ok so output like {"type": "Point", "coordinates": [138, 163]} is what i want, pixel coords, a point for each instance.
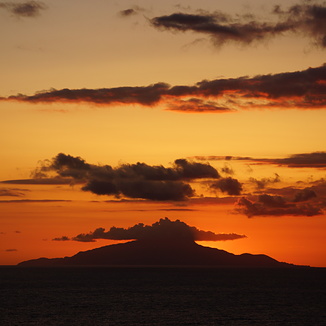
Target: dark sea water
{"type": "Point", "coordinates": [162, 296]}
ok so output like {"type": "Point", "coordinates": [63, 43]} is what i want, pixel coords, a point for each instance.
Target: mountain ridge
{"type": "Point", "coordinates": [158, 253]}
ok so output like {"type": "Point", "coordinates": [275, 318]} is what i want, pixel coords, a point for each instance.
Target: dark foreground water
{"type": "Point", "coordinates": [162, 296]}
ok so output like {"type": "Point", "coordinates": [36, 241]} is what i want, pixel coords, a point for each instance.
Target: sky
{"type": "Point", "coordinates": [115, 113]}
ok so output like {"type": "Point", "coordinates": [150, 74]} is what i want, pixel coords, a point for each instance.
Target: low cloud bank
{"type": "Point", "coordinates": [304, 89]}
{"type": "Point", "coordinates": [163, 230]}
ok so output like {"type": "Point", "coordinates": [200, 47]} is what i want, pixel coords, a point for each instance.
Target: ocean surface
{"type": "Point", "coordinates": [161, 296]}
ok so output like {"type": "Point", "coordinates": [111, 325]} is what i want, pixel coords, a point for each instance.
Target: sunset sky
{"type": "Point", "coordinates": [115, 113]}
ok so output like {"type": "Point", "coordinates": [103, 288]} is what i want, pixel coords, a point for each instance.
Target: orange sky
{"type": "Point", "coordinates": [245, 93]}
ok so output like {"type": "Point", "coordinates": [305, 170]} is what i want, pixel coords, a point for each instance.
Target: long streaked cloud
{"type": "Point", "coordinates": [39, 181]}
{"type": "Point", "coordinates": [23, 9]}
{"type": "Point", "coordinates": [307, 20]}
{"type": "Point", "coordinates": [138, 180]}
{"type": "Point", "coordinates": [12, 192]}
{"type": "Point", "coordinates": [304, 89]}
{"type": "Point", "coordinates": [163, 230]}
{"type": "Point", "coordinates": [301, 160]}
{"type": "Point", "coordinates": [305, 160]}
{"type": "Point", "coordinates": [34, 201]}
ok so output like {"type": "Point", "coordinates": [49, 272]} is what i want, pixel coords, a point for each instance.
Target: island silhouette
{"type": "Point", "coordinates": [165, 243]}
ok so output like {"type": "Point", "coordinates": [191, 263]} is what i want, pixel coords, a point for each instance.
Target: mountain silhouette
{"type": "Point", "coordinates": [150, 252]}
{"type": "Point", "coordinates": [164, 243]}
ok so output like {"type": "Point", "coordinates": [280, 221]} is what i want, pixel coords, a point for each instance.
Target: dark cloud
{"type": "Point", "coordinates": [40, 181]}
{"type": "Point", "coordinates": [138, 180]}
{"type": "Point", "coordinates": [229, 185]}
{"type": "Point", "coordinates": [314, 160]}
{"type": "Point", "coordinates": [11, 192]}
{"type": "Point", "coordinates": [131, 11]}
{"type": "Point", "coordinates": [319, 187]}
{"type": "Point", "coordinates": [145, 189]}
{"type": "Point", "coordinates": [163, 230]}
{"type": "Point", "coordinates": [227, 170]}
{"type": "Point", "coordinates": [304, 195]}
{"type": "Point", "coordinates": [220, 27]}
{"type": "Point", "coordinates": [24, 9]}
{"type": "Point", "coordinates": [221, 158]}
{"type": "Point", "coordinates": [262, 183]}
{"type": "Point", "coordinates": [63, 238]}
{"type": "Point", "coordinates": [34, 201]}
{"type": "Point", "coordinates": [270, 205]}
{"type": "Point", "coordinates": [304, 160]}
{"type": "Point", "coordinates": [193, 170]}
{"type": "Point", "coordinates": [301, 89]}
{"type": "Point", "coordinates": [146, 95]}
{"type": "Point", "coordinates": [128, 12]}
{"type": "Point", "coordinates": [308, 20]}
{"type": "Point", "coordinates": [271, 201]}
{"type": "Point", "coordinates": [11, 250]}
{"type": "Point", "coordinates": [196, 105]}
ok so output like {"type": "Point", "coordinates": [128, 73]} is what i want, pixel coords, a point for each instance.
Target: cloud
{"type": "Point", "coordinates": [307, 20]}
{"type": "Point", "coordinates": [196, 105]}
{"type": "Point", "coordinates": [145, 189]}
{"type": "Point", "coordinates": [11, 192]}
{"type": "Point", "coordinates": [10, 250]}
{"type": "Point", "coordinates": [138, 180]}
{"type": "Point", "coordinates": [40, 181]}
{"type": "Point", "coordinates": [220, 27]}
{"type": "Point", "coordinates": [229, 185]}
{"type": "Point", "coordinates": [311, 160]}
{"type": "Point", "coordinates": [304, 89]}
{"type": "Point", "coordinates": [63, 238]}
{"type": "Point", "coordinates": [24, 9]}
{"type": "Point", "coordinates": [304, 195]}
{"type": "Point", "coordinates": [270, 205]}
{"type": "Point", "coordinates": [227, 169]}
{"type": "Point", "coordinates": [34, 201]}
{"type": "Point", "coordinates": [193, 170]}
{"type": "Point", "coordinates": [131, 11]}
{"type": "Point", "coordinates": [262, 183]}
{"type": "Point", "coordinates": [163, 230]}
{"type": "Point", "coordinates": [304, 160]}
{"type": "Point", "coordinates": [127, 12]}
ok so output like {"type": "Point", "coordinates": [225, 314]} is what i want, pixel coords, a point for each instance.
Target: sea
{"type": "Point", "coordinates": [162, 296]}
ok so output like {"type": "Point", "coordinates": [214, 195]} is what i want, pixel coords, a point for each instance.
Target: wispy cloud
{"type": "Point", "coordinates": [304, 89]}
{"type": "Point", "coordinates": [23, 9]}
{"type": "Point", "coordinates": [262, 183]}
{"type": "Point", "coordinates": [307, 20]}
{"type": "Point", "coordinates": [133, 11]}
{"type": "Point", "coordinates": [39, 181]}
{"type": "Point", "coordinates": [301, 160]}
{"type": "Point", "coordinates": [11, 192]}
{"type": "Point", "coordinates": [34, 201]}
{"type": "Point", "coordinates": [128, 12]}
